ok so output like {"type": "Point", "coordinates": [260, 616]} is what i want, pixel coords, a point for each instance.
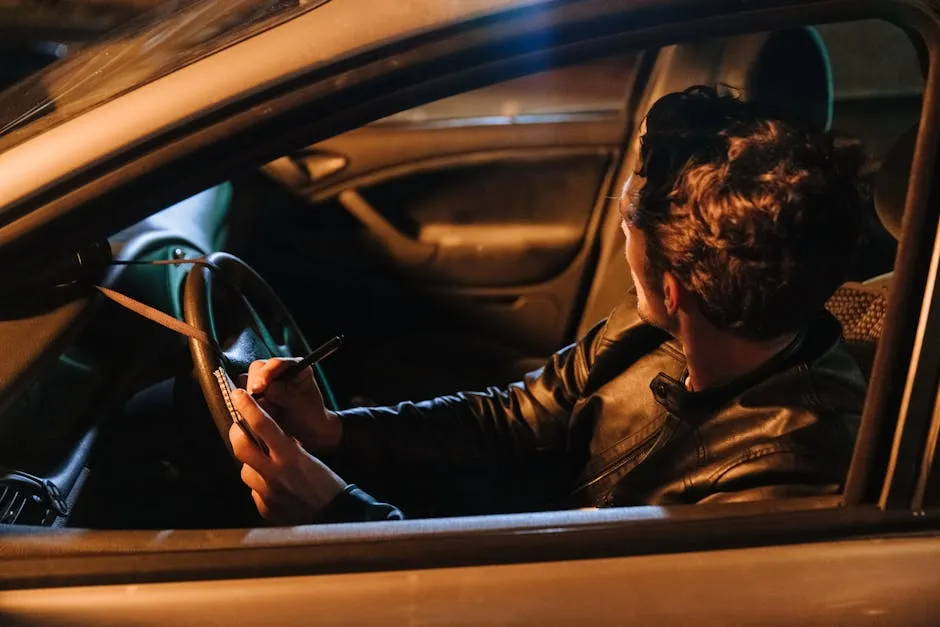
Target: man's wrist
{"type": "Point", "coordinates": [330, 435]}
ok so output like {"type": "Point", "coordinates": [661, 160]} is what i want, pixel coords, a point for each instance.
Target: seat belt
{"type": "Point", "coordinates": [155, 315]}
{"type": "Point", "coordinates": [225, 383]}
{"type": "Point", "coordinates": [152, 313]}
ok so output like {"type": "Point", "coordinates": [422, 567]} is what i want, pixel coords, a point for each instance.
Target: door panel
{"type": "Point", "coordinates": [507, 222]}
{"type": "Point", "coordinates": [372, 154]}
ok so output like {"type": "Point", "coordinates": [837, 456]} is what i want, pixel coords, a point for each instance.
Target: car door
{"type": "Point", "coordinates": [846, 560]}
{"type": "Point", "coordinates": [466, 229]}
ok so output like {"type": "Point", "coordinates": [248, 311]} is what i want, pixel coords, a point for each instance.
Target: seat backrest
{"type": "Point", "coordinates": [861, 307]}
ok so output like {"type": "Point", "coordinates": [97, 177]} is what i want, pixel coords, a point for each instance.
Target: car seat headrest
{"type": "Point", "coordinates": [891, 182]}
{"type": "Point", "coordinates": [792, 74]}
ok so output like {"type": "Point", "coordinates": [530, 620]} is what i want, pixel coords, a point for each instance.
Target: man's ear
{"type": "Point", "coordinates": [674, 294]}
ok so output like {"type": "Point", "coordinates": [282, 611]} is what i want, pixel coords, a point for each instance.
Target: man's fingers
{"type": "Point", "coordinates": [268, 407]}
{"type": "Point", "coordinates": [266, 511]}
{"type": "Point", "coordinates": [260, 504]}
{"type": "Point", "coordinates": [260, 423]}
{"type": "Point", "coordinates": [290, 396]}
{"type": "Point", "coordinates": [263, 371]}
{"type": "Point", "coordinates": [271, 511]}
{"type": "Point", "coordinates": [246, 451]}
{"type": "Point", "coordinates": [254, 375]}
{"type": "Point", "coordinates": [256, 482]}
{"type": "Point", "coordinates": [253, 479]}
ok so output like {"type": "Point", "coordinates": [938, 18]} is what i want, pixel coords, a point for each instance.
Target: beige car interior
{"type": "Point", "coordinates": [790, 69]}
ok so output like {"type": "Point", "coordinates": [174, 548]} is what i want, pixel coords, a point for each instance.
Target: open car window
{"type": "Point", "coordinates": [524, 305]}
{"type": "Point", "coordinates": [419, 201]}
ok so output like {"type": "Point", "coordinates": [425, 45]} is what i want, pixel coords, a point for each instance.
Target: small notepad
{"type": "Point", "coordinates": [226, 385]}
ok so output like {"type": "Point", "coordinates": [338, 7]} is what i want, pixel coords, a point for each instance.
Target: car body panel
{"type": "Point", "coordinates": [874, 582]}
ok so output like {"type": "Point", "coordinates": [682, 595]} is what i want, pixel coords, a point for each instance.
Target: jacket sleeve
{"type": "Point", "coordinates": [354, 505]}
{"type": "Point", "coordinates": [499, 428]}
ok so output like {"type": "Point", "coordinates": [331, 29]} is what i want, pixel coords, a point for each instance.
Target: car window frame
{"type": "Point", "coordinates": [908, 382]}
{"type": "Point", "coordinates": [99, 556]}
{"type": "Point", "coordinates": [917, 441]}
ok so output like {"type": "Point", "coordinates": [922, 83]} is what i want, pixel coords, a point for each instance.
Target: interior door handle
{"type": "Point", "coordinates": [398, 245]}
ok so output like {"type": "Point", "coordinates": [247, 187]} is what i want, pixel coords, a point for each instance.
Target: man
{"type": "Point", "coordinates": [725, 380]}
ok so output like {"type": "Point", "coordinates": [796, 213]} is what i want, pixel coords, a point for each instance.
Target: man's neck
{"type": "Point", "coordinates": [715, 358]}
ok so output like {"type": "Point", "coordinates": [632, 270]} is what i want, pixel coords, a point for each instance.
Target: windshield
{"type": "Point", "coordinates": [173, 35]}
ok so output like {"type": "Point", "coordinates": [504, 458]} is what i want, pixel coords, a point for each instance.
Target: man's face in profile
{"type": "Point", "coordinates": [650, 299]}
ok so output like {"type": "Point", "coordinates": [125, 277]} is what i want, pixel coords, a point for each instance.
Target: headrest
{"type": "Point", "coordinates": [791, 73]}
{"type": "Point", "coordinates": [891, 182]}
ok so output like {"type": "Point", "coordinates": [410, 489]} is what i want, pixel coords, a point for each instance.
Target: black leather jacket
{"type": "Point", "coordinates": [606, 422]}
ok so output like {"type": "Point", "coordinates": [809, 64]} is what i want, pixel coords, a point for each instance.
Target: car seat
{"type": "Point", "coordinates": [861, 306]}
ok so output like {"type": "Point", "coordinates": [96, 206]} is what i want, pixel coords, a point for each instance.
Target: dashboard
{"type": "Point", "coordinates": [66, 370]}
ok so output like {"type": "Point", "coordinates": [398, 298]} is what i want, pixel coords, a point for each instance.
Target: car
{"type": "Point", "coordinates": [438, 182]}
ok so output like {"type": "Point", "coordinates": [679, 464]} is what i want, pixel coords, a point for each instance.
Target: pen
{"type": "Point", "coordinates": [316, 355]}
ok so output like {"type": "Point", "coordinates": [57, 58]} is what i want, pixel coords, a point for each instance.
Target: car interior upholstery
{"type": "Point", "coordinates": [861, 307]}
{"type": "Point", "coordinates": [792, 72]}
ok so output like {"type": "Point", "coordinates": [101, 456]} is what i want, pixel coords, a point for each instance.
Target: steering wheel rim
{"type": "Point", "coordinates": [255, 303]}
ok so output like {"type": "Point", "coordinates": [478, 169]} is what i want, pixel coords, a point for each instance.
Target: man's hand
{"type": "Point", "coordinates": [297, 404]}
{"type": "Point", "coordinates": [289, 486]}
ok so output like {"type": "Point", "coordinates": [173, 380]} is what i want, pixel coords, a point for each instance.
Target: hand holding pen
{"type": "Point", "coordinates": [289, 387]}
{"type": "Point", "coordinates": [295, 368]}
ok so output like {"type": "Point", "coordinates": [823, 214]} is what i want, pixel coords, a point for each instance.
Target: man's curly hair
{"type": "Point", "coordinates": [757, 217]}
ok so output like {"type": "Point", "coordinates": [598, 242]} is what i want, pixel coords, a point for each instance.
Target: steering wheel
{"type": "Point", "coordinates": [244, 317]}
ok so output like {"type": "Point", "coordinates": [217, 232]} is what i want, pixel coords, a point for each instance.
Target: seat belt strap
{"type": "Point", "coordinates": [163, 319]}
{"type": "Point", "coordinates": [152, 313]}
{"type": "Point", "coordinates": [155, 315]}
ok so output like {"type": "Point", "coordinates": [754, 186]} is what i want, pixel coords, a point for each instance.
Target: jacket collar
{"type": "Point", "coordinates": [809, 343]}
